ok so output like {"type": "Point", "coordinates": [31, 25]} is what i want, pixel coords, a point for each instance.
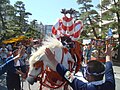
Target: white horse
{"type": "Point", "coordinates": [57, 48]}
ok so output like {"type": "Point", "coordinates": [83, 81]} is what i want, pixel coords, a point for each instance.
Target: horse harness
{"type": "Point", "coordinates": [51, 76]}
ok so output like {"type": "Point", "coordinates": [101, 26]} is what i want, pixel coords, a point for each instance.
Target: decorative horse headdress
{"type": "Point", "coordinates": [67, 26]}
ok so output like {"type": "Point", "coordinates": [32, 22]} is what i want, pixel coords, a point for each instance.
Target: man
{"type": "Point", "coordinates": [13, 78]}
{"type": "Point", "coordinates": [87, 53]}
{"type": "Point", "coordinates": [94, 73]}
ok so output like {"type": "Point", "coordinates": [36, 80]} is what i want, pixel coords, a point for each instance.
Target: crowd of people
{"type": "Point", "coordinates": [93, 52]}
{"type": "Point", "coordinates": [14, 62]}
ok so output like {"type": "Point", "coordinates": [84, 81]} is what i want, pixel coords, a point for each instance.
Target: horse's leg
{"type": "Point", "coordinates": [40, 87]}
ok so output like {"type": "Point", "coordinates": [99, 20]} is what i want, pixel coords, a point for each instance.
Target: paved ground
{"type": "Point", "coordinates": [36, 85]}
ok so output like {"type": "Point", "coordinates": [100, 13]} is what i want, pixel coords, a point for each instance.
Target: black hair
{"type": "Point", "coordinates": [96, 69]}
{"type": "Point", "coordinates": [67, 41]}
{"type": "Point", "coordinates": [66, 38]}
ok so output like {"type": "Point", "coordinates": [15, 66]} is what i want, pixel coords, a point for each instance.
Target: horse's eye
{"type": "Point", "coordinates": [35, 66]}
{"type": "Point", "coordinates": [38, 64]}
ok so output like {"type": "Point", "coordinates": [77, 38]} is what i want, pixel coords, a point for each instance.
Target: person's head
{"type": "Point", "coordinates": [15, 52]}
{"type": "Point", "coordinates": [94, 71]}
{"type": "Point", "coordinates": [89, 46]}
{"type": "Point", "coordinates": [3, 46]}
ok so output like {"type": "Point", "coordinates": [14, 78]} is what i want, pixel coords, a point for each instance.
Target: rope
{"type": "Point", "coordinates": [29, 86]}
{"type": "Point", "coordinates": [8, 61]}
{"type": "Point", "coordinates": [22, 84]}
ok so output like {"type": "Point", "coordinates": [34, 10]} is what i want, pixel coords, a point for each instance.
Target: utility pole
{"type": "Point", "coordinates": [100, 23]}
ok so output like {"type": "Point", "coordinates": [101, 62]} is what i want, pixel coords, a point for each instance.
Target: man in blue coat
{"type": "Point", "coordinates": [93, 73]}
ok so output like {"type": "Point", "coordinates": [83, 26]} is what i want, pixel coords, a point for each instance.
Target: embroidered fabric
{"type": "Point", "coordinates": [89, 73]}
{"type": "Point", "coordinates": [97, 82]}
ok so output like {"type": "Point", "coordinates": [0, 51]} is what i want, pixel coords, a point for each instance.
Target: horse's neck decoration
{"type": "Point", "coordinates": [67, 26]}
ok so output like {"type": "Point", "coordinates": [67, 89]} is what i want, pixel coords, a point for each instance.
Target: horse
{"type": "Point", "coordinates": [41, 68]}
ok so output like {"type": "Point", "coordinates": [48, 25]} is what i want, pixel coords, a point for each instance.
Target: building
{"type": "Point", "coordinates": [48, 30]}
{"type": "Point", "coordinates": [40, 28]}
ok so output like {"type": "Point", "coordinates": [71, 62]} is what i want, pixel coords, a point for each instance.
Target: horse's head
{"type": "Point", "coordinates": [35, 69]}
{"type": "Point", "coordinates": [38, 61]}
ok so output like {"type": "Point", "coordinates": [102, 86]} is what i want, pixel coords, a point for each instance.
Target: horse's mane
{"type": "Point", "coordinates": [49, 42]}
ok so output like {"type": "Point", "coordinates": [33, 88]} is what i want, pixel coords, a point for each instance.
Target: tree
{"type": "Point", "coordinates": [3, 16]}
{"type": "Point", "coordinates": [112, 14]}
{"type": "Point", "coordinates": [33, 30]}
{"type": "Point", "coordinates": [90, 17]}
{"type": "Point", "coordinates": [21, 16]}
{"type": "Point", "coordinates": [14, 21]}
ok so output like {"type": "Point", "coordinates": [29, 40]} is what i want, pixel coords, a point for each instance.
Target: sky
{"type": "Point", "coordinates": [48, 11]}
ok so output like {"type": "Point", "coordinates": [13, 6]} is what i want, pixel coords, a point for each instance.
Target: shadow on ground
{"type": "Point", "coordinates": [117, 84]}
{"type": "Point", "coordinates": [3, 82]}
